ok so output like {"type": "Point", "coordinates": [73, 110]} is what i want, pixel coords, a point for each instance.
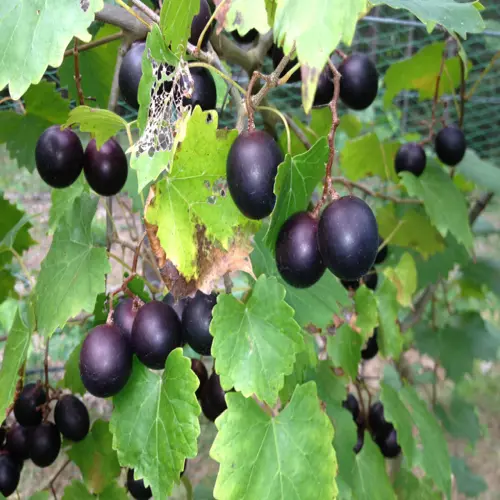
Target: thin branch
{"type": "Point", "coordinates": [3, 338]}
{"type": "Point", "coordinates": [298, 131]}
{"type": "Point", "coordinates": [486, 70]}
{"type": "Point", "coordinates": [50, 484]}
{"type": "Point", "coordinates": [285, 124]}
{"type": "Point", "coordinates": [144, 8]}
{"type": "Point", "coordinates": [95, 43]}
{"type": "Point", "coordinates": [479, 207]}
{"type": "Point", "coordinates": [78, 76]}
{"type": "Point", "coordinates": [117, 16]}
{"type": "Point", "coordinates": [462, 93]}
{"type": "Point", "coordinates": [209, 23]}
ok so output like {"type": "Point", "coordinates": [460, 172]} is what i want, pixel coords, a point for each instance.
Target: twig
{"type": "Point", "coordinates": [435, 385]}
{"type": "Point", "coordinates": [3, 338]}
{"type": "Point", "coordinates": [207, 26]}
{"type": "Point", "coordinates": [462, 94]}
{"type": "Point", "coordinates": [78, 76]}
{"type": "Point", "coordinates": [131, 12]}
{"type": "Point", "coordinates": [361, 400]}
{"type": "Point", "coordinates": [95, 43]}
{"type": "Point", "coordinates": [50, 484]}
{"type": "Point", "coordinates": [150, 13]}
{"type": "Point", "coordinates": [479, 207]}
{"type": "Point", "coordinates": [188, 487]}
{"type": "Point", "coordinates": [341, 54]}
{"type": "Point", "coordinates": [285, 124]}
{"type": "Point", "coordinates": [222, 74]}
{"type": "Point", "coordinates": [228, 283]}
{"type": "Point", "coordinates": [297, 131]}
{"type": "Point", "coordinates": [486, 70]}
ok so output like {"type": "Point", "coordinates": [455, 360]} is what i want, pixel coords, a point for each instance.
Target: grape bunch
{"type": "Point", "coordinates": [33, 437]}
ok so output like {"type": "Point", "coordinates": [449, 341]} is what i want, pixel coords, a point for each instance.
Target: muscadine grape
{"type": "Point", "coordinates": [124, 316]}
{"type": "Point", "coordinates": [378, 424]}
{"type": "Point", "coordinates": [201, 372]}
{"type": "Point", "coordinates": [410, 158]}
{"type": "Point", "coordinates": [19, 442]}
{"type": "Point", "coordinates": [277, 55]}
{"type": "Point", "coordinates": [450, 145]}
{"type": "Point", "coordinates": [212, 400]}
{"type": "Point", "coordinates": [72, 418]}
{"type": "Point", "coordinates": [105, 361]}
{"type": "Point", "coordinates": [359, 82]}
{"type": "Point", "coordinates": [351, 285]}
{"type": "Point", "coordinates": [325, 88]}
{"type": "Point", "coordinates": [351, 404]}
{"type": "Point", "coordinates": [9, 475]}
{"type": "Point", "coordinates": [198, 24]}
{"type": "Point", "coordinates": [348, 237]}
{"type": "Point", "coordinates": [297, 254]}
{"type": "Point", "coordinates": [382, 253]}
{"type": "Point", "coordinates": [371, 279]}
{"type": "Point", "coordinates": [136, 487]}
{"type": "Point", "coordinates": [155, 334]}
{"type": "Point", "coordinates": [59, 157]}
{"type": "Point", "coordinates": [252, 165]}
{"type": "Point", "coordinates": [105, 169]}
{"type": "Point", "coordinates": [360, 440]}
{"type": "Point", "coordinates": [371, 348]}
{"type": "Point", "coordinates": [196, 322]}
{"type": "Point", "coordinates": [131, 73]}
{"type": "Point", "coordinates": [45, 444]}
{"type": "Point", "coordinates": [179, 306]}
{"type": "Point", "coordinates": [388, 444]}
{"type": "Point", "coordinates": [204, 90]}
{"type": "Point", "coordinates": [27, 406]}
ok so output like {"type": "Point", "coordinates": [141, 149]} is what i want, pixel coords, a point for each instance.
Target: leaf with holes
{"type": "Point", "coordinates": [176, 17]}
{"type": "Point", "coordinates": [282, 457]}
{"type": "Point", "coordinates": [72, 274]}
{"type": "Point", "coordinates": [389, 337]}
{"type": "Point", "coordinates": [404, 277]}
{"type": "Point", "coordinates": [344, 349]}
{"type": "Point", "coordinates": [297, 178]}
{"type": "Point", "coordinates": [255, 343]}
{"type": "Point", "coordinates": [155, 422]}
{"type": "Point", "coordinates": [35, 36]}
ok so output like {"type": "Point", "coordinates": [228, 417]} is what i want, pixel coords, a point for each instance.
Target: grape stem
{"type": "Point", "coordinates": [78, 76]}
{"type": "Point", "coordinates": [95, 43]}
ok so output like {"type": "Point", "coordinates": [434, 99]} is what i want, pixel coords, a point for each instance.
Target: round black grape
{"type": "Point", "coordinates": [9, 475]}
{"type": "Point", "coordinates": [27, 407]}
{"type": "Point", "coordinates": [19, 442]}
{"type": "Point", "coordinates": [450, 145]}
{"type": "Point", "coordinates": [124, 316]}
{"type": "Point", "coordinates": [360, 441]}
{"type": "Point", "coordinates": [351, 404]}
{"type": "Point", "coordinates": [213, 401]}
{"type": "Point", "coordinates": [351, 285]}
{"type": "Point", "coordinates": [45, 444]}
{"type": "Point", "coordinates": [325, 88]}
{"type": "Point", "coordinates": [198, 25]}
{"type": "Point", "coordinates": [378, 424]}
{"type": "Point", "coordinates": [179, 306]}
{"type": "Point", "coordinates": [410, 158]}
{"type": "Point", "coordinates": [388, 444]}
{"type": "Point", "coordinates": [201, 372]}
{"type": "Point", "coordinates": [371, 279]}
{"type": "Point", "coordinates": [72, 418]}
{"type": "Point", "coordinates": [136, 487]}
{"type": "Point", "coordinates": [131, 73]}
{"type": "Point", "coordinates": [383, 252]}
{"type": "Point", "coordinates": [204, 90]}
{"type": "Point", "coordinates": [359, 82]}
{"type": "Point", "coordinates": [196, 322]}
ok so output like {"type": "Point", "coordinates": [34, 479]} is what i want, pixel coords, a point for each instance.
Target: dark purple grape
{"type": "Point", "coordinates": [131, 73]}
{"type": "Point", "coordinates": [136, 487]}
{"type": "Point", "coordinates": [325, 88]}
{"type": "Point", "coordinates": [277, 55]}
{"type": "Point", "coordinates": [450, 145]}
{"type": "Point", "coordinates": [297, 253]}
{"type": "Point", "coordinates": [252, 165]}
{"type": "Point", "coordinates": [371, 348]}
{"type": "Point", "coordinates": [198, 25]}
{"type": "Point", "coordinates": [105, 169]}
{"type": "Point", "coordinates": [196, 322]}
{"type": "Point", "coordinates": [9, 475]}
{"type": "Point", "coordinates": [348, 237]}
{"type": "Point", "coordinates": [247, 38]}
{"type": "Point", "coordinates": [19, 442]}
{"type": "Point", "coordinates": [124, 316]}
{"type": "Point", "coordinates": [371, 279]}
{"type": "Point", "coordinates": [351, 404]}
{"type": "Point", "coordinates": [378, 424]}
{"type": "Point", "coordinates": [388, 444]}
{"type": "Point", "coordinates": [360, 441]}
{"type": "Point", "coordinates": [383, 252]}
{"type": "Point", "coordinates": [204, 90]}
{"type": "Point", "coordinates": [27, 406]}
{"type": "Point", "coordinates": [410, 158]}
{"type": "Point", "coordinates": [359, 82]}
{"type": "Point", "coordinates": [156, 333]}
{"type": "Point", "coordinates": [45, 444]}
{"type": "Point", "coordinates": [351, 285]}
{"type": "Point", "coordinates": [105, 361]}
{"type": "Point", "coordinates": [201, 372]}
{"type": "Point", "coordinates": [59, 157]}
{"type": "Point", "coordinates": [213, 401]}
{"type": "Point", "coordinates": [72, 418]}
{"type": "Point", "coordinates": [179, 306]}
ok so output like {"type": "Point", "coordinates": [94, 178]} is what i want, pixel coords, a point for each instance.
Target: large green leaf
{"type": "Point", "coordinates": [255, 344]}
{"type": "Point", "coordinates": [72, 274]}
{"type": "Point", "coordinates": [155, 422]}
{"type": "Point", "coordinates": [409, 487]}
{"type": "Point", "coordinates": [481, 172]}
{"type": "Point", "coordinates": [97, 68]}
{"type": "Point", "coordinates": [16, 350]}
{"type": "Point", "coordinates": [420, 72]}
{"type": "Point", "coordinates": [316, 27]}
{"type": "Point", "coordinates": [242, 16]}
{"type": "Point", "coordinates": [78, 491]}
{"type": "Point", "coordinates": [286, 457]}
{"type": "Point", "coordinates": [297, 178]}
{"type": "Point", "coordinates": [389, 338]}
{"type": "Point", "coordinates": [176, 17]}
{"type": "Point", "coordinates": [72, 379]}
{"type": "Point", "coordinates": [344, 349]}
{"type": "Point", "coordinates": [96, 458]}
{"type": "Point", "coordinates": [63, 199]}
{"type": "Point", "coordinates": [20, 132]}
{"type": "Point", "coordinates": [195, 194]}
{"type": "Point", "coordinates": [454, 16]}
{"type": "Point", "coordinates": [314, 305]}
{"type": "Point", "coordinates": [443, 202]}
{"type": "Point", "coordinates": [34, 35]}
{"type": "Point", "coordinates": [468, 483]}
{"type": "Point", "coordinates": [482, 272]}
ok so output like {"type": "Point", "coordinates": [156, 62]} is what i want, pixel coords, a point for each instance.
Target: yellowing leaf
{"type": "Point", "coordinates": [404, 277]}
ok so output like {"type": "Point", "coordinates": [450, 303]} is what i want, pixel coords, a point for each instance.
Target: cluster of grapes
{"type": "Point", "coordinates": [383, 432]}
{"type": "Point", "coordinates": [33, 436]}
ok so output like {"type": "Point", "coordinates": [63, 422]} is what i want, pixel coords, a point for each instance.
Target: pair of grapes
{"type": "Point", "coordinates": [60, 159]}
{"type": "Point", "coordinates": [383, 432]}
{"type": "Point", "coordinates": [450, 146]}
{"type": "Point", "coordinates": [32, 438]}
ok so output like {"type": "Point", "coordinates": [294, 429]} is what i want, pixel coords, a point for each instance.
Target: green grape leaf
{"type": "Point", "coordinates": [195, 193]}
{"type": "Point", "coordinates": [409, 487]}
{"type": "Point", "coordinates": [255, 343]}
{"type": "Point", "coordinates": [389, 337]}
{"type": "Point", "coordinates": [289, 456]}
{"type": "Point", "coordinates": [20, 132]}
{"type": "Point", "coordinates": [457, 345]}
{"type": "Point", "coordinates": [176, 17]}
{"type": "Point", "coordinates": [468, 483]}
{"type": "Point", "coordinates": [455, 16]}
{"type": "Point", "coordinates": [404, 277]}
{"type": "Point", "coordinates": [78, 491]}
{"type": "Point", "coordinates": [443, 202]}
{"type": "Point", "coordinates": [314, 305]}
{"type": "Point", "coordinates": [155, 422]}
{"type": "Point", "coordinates": [435, 457]}
{"type": "Point", "coordinates": [344, 349]}
{"type": "Point", "coordinates": [316, 27]}
{"type": "Point", "coordinates": [419, 73]}
{"type": "Point", "coordinates": [40, 495]}
{"type": "Point", "coordinates": [72, 274]}
{"type": "Point", "coordinates": [412, 230]}
{"type": "Point", "coordinates": [63, 199]}
{"type": "Point", "coordinates": [96, 458]}
{"type": "Point", "coordinates": [242, 16]}
{"type": "Point", "coordinates": [101, 123]}
{"type": "Point", "coordinates": [481, 172]}
{"type": "Point", "coordinates": [29, 41]}
{"type": "Point", "coordinates": [482, 272]}
{"type": "Point", "coordinates": [97, 68]}
{"type": "Point", "coordinates": [366, 156]}
{"type": "Point", "coordinates": [7, 285]}
{"type": "Point", "coordinates": [72, 379]}
{"type": "Point", "coordinates": [396, 413]}
{"type": "Point", "coordinates": [16, 350]}
{"type": "Point", "coordinates": [366, 311]}
{"type": "Point", "coordinates": [297, 178]}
